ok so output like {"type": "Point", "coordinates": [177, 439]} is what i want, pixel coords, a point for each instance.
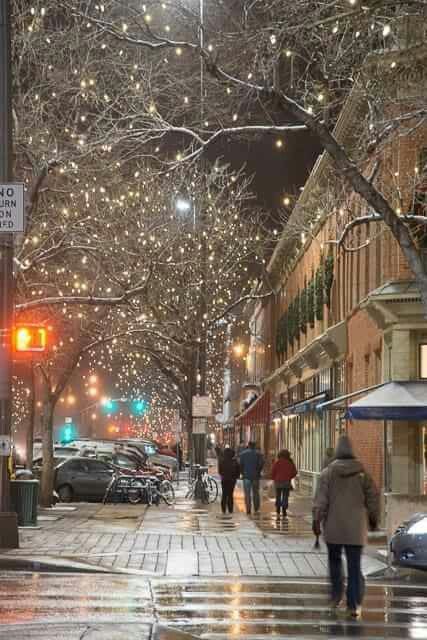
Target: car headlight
{"type": "Point", "coordinates": [418, 527]}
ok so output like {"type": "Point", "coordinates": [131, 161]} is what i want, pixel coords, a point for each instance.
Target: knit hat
{"type": "Point", "coordinates": [344, 448]}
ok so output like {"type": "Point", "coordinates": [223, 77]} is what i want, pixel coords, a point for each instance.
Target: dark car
{"type": "Point", "coordinates": [409, 542]}
{"type": "Point", "coordinates": [38, 464]}
{"type": "Point", "coordinates": [81, 478]}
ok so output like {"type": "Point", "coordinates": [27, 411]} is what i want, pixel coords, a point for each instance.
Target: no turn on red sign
{"type": "Point", "coordinates": [11, 208]}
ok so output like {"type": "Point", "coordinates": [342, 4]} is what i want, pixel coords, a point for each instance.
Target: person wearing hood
{"type": "Point", "coordinates": [229, 471]}
{"type": "Point", "coordinates": [346, 501]}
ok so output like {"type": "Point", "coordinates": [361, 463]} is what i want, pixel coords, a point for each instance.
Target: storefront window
{"type": "Point", "coordinates": [423, 361]}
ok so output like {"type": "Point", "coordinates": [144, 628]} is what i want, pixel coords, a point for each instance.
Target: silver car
{"type": "Point", "coordinates": [409, 542]}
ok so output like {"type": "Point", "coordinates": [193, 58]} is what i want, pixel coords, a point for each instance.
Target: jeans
{"type": "Point", "coordinates": [251, 489]}
{"type": "Point", "coordinates": [227, 495]}
{"type": "Point", "coordinates": [355, 579]}
{"type": "Point", "coordinates": [282, 498]}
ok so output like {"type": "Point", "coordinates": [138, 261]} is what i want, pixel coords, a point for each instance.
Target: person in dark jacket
{"type": "Point", "coordinates": [229, 471]}
{"type": "Point", "coordinates": [282, 473]}
{"type": "Point", "coordinates": [251, 465]}
{"type": "Point", "coordinates": [346, 501]}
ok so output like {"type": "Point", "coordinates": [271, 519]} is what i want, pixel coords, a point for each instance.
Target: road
{"type": "Point", "coordinates": [94, 606]}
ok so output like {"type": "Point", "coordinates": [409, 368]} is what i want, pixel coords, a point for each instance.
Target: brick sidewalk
{"type": "Point", "coordinates": [184, 540]}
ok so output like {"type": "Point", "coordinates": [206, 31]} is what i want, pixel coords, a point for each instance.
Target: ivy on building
{"type": "Point", "coordinates": [307, 306]}
{"type": "Point", "coordinates": [329, 278]}
{"type": "Point", "coordinates": [310, 302]}
{"type": "Point", "coordinates": [319, 297]}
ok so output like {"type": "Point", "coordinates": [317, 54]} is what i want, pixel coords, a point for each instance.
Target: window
{"type": "Point", "coordinates": [420, 196]}
{"type": "Point", "coordinates": [423, 361]}
{"type": "Point", "coordinates": [96, 466]}
{"type": "Point", "coordinates": [75, 465]}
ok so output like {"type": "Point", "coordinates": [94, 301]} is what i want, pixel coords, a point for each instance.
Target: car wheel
{"type": "Point", "coordinates": [65, 493]}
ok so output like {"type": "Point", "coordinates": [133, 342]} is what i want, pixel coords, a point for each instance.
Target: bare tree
{"type": "Point", "coordinates": [268, 67]}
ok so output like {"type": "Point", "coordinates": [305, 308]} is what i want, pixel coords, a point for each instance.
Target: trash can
{"type": "Point", "coordinates": [24, 496]}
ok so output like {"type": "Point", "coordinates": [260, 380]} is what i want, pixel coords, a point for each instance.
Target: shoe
{"type": "Point", "coordinates": [285, 515]}
{"type": "Point", "coordinates": [248, 512]}
{"type": "Point", "coordinates": [356, 613]}
{"type": "Point", "coordinates": [334, 604]}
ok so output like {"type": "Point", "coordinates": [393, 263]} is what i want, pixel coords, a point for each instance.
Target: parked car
{"type": "Point", "coordinates": [81, 478]}
{"type": "Point", "coordinates": [38, 464]}
{"type": "Point", "coordinates": [409, 542]}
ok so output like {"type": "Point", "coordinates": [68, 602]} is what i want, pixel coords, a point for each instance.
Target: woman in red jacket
{"type": "Point", "coordinates": [282, 473]}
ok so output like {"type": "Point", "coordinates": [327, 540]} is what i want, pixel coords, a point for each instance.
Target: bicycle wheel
{"type": "Point", "coordinates": [211, 488]}
{"type": "Point", "coordinates": [135, 492]}
{"type": "Point", "coordinates": [167, 492]}
{"type": "Point", "coordinates": [190, 492]}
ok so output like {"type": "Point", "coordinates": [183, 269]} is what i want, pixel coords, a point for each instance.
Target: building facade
{"type": "Point", "coordinates": [346, 315]}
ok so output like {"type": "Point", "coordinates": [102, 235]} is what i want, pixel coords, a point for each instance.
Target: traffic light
{"type": "Point", "coordinates": [67, 433]}
{"type": "Point", "coordinates": [29, 338]}
{"type": "Point", "coordinates": [139, 407]}
{"type": "Point", "coordinates": [109, 406]}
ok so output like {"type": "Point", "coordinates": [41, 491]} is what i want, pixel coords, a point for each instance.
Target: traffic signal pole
{"type": "Point", "coordinates": [8, 520]}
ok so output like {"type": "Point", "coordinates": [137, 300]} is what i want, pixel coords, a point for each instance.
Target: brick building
{"type": "Point", "coordinates": [346, 314]}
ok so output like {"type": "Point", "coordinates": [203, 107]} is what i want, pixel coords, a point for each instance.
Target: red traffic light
{"type": "Point", "coordinates": [29, 338]}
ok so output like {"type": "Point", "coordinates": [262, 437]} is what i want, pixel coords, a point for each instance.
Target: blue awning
{"type": "Point", "coordinates": [403, 400]}
{"type": "Point", "coordinates": [305, 406]}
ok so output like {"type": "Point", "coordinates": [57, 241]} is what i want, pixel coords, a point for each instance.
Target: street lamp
{"type": "Point", "coordinates": [182, 205]}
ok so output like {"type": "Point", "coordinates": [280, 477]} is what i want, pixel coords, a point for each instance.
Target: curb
{"type": "Point", "coordinates": [48, 564]}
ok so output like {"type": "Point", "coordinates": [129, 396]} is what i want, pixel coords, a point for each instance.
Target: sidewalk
{"type": "Point", "coordinates": [187, 539]}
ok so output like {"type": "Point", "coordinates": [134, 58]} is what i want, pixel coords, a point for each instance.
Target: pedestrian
{"type": "Point", "coordinates": [218, 452]}
{"type": "Point", "coordinates": [251, 465]}
{"type": "Point", "coordinates": [346, 499]}
{"type": "Point", "coordinates": [229, 471]}
{"type": "Point", "coordinates": [282, 474]}
{"type": "Point", "coordinates": [328, 457]}
{"type": "Point", "coordinates": [180, 456]}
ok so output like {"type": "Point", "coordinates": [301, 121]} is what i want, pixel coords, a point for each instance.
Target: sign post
{"type": "Point", "coordinates": [202, 410]}
{"type": "Point", "coordinates": [8, 521]}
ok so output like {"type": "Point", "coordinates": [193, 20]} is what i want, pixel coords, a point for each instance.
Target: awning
{"type": "Point", "coordinates": [403, 400]}
{"type": "Point", "coordinates": [305, 405]}
{"type": "Point", "coordinates": [257, 413]}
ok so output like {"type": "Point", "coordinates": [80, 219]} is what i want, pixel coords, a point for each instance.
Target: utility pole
{"type": "Point", "coordinates": [8, 520]}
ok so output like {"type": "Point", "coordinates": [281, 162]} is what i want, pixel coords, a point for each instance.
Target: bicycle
{"type": "Point", "coordinates": [148, 490]}
{"type": "Point", "coordinates": [151, 491]}
{"type": "Point", "coordinates": [203, 486]}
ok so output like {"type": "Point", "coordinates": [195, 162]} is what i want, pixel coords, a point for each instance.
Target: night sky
{"type": "Point", "coordinates": [275, 171]}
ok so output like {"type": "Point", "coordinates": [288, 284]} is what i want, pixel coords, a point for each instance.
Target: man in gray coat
{"type": "Point", "coordinates": [345, 501]}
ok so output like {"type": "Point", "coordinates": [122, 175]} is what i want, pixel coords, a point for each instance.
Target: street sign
{"type": "Point", "coordinates": [5, 446]}
{"type": "Point", "coordinates": [11, 208]}
{"type": "Point", "coordinates": [202, 406]}
{"type": "Point", "coordinates": [200, 425]}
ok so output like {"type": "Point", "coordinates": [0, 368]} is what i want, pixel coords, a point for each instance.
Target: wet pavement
{"type": "Point", "coordinates": [36, 606]}
{"type": "Point", "coordinates": [186, 539]}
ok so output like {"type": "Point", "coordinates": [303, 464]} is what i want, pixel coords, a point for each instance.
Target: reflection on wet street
{"type": "Point", "coordinates": [259, 609]}
{"type": "Point", "coordinates": [52, 606]}
{"type": "Point", "coordinates": [187, 517]}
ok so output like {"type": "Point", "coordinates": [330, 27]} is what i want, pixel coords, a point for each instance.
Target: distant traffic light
{"type": "Point", "coordinates": [109, 406]}
{"type": "Point", "coordinates": [139, 407]}
{"type": "Point", "coordinates": [67, 433]}
{"type": "Point", "coordinates": [29, 338]}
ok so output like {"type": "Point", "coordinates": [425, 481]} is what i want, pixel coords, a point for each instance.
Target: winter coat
{"type": "Point", "coordinates": [228, 469]}
{"type": "Point", "coordinates": [345, 498]}
{"type": "Point", "coordinates": [251, 464]}
{"type": "Point", "coordinates": [283, 471]}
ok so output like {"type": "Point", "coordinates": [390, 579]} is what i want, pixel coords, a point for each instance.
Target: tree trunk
{"type": "Point", "coordinates": [46, 493]}
{"type": "Point", "coordinates": [32, 417]}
